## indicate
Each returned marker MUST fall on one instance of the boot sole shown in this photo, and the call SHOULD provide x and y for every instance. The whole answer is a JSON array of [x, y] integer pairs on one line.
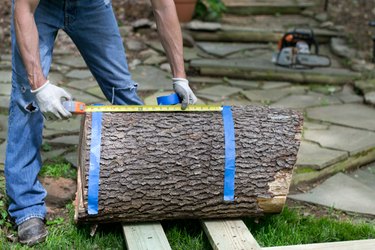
[[34, 240]]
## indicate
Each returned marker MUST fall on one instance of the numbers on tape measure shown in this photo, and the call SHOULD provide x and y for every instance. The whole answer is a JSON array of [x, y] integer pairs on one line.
[[152, 108]]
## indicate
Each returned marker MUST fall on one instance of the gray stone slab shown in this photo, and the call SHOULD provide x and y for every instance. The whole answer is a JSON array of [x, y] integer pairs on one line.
[[342, 138], [79, 74], [73, 61], [365, 86], [71, 125], [341, 192], [3, 122], [218, 92], [304, 101], [2, 152], [244, 84], [82, 84], [5, 76], [83, 96], [151, 99], [49, 155], [275, 85], [364, 176], [315, 126], [96, 91], [135, 45], [67, 140], [152, 78], [189, 53], [72, 158], [4, 102], [206, 80], [272, 95], [370, 98], [55, 77], [155, 60], [5, 88], [47, 133], [313, 156], [263, 68], [352, 115], [225, 49]]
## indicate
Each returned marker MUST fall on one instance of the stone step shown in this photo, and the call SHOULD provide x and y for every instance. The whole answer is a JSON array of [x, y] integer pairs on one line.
[[201, 31], [264, 69], [365, 175], [271, 7]]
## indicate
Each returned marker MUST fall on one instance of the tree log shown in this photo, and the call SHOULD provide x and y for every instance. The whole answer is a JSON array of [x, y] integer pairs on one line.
[[170, 165]]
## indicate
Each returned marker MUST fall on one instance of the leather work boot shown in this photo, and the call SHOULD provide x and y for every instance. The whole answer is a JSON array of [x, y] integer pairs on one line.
[[32, 231]]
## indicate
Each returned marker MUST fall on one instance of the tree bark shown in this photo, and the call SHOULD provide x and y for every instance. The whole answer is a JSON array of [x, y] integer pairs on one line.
[[157, 166]]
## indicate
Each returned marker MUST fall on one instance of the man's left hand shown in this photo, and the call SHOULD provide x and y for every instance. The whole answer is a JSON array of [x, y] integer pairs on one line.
[[183, 90]]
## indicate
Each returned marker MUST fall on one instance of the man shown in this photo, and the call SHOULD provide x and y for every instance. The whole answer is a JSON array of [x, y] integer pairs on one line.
[[92, 26]]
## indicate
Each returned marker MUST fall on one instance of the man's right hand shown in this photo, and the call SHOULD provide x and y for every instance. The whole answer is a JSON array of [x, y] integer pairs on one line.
[[48, 98]]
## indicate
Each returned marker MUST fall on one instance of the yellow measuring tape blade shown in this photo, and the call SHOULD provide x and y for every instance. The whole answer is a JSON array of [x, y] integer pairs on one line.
[[152, 108]]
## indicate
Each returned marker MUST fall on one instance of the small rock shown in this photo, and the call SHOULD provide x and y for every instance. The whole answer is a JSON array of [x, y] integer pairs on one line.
[[322, 17], [141, 23], [365, 86], [154, 26], [135, 45], [370, 98], [59, 191], [166, 67]]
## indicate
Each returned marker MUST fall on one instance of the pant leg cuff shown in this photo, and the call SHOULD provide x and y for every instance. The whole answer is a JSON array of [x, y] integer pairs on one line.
[[28, 217]]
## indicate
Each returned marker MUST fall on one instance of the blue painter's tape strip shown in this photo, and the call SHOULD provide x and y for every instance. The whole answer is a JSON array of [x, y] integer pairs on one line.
[[94, 171], [230, 154], [171, 99]]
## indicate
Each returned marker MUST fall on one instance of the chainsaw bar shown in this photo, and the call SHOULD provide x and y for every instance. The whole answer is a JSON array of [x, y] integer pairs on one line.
[[311, 60]]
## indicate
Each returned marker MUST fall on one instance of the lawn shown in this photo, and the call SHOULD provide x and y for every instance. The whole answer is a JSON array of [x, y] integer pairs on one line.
[[288, 228]]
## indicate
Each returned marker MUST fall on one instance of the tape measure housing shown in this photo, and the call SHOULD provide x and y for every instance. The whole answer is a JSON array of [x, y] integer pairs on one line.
[[152, 108]]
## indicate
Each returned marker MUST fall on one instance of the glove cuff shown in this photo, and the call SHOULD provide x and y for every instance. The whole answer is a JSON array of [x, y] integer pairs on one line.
[[40, 88], [183, 80]]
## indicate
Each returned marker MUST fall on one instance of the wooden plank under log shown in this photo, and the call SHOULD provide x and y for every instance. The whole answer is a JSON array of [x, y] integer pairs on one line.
[[229, 234], [145, 236], [170, 165], [341, 245]]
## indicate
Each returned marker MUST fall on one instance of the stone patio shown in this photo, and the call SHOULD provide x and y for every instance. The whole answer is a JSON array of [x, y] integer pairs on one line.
[[231, 64]]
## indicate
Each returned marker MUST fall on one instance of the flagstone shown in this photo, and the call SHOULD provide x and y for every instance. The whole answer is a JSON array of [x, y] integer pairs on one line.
[[82, 84], [5, 88], [315, 126], [55, 77], [71, 125], [67, 139], [72, 158], [4, 102], [82, 96], [342, 138], [73, 61], [152, 78], [341, 192], [2, 152], [96, 91], [218, 92], [244, 84], [206, 80], [5, 76], [311, 155], [275, 85], [352, 115], [224, 49], [79, 74], [365, 175], [272, 95], [304, 101], [48, 155]]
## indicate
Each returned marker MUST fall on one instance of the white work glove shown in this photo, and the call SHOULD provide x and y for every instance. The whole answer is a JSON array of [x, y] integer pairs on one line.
[[48, 98], [182, 89]]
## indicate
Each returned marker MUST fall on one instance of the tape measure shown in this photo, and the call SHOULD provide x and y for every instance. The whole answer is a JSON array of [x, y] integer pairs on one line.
[[81, 108]]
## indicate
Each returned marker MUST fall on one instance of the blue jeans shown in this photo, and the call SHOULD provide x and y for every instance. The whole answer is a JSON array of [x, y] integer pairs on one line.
[[92, 26]]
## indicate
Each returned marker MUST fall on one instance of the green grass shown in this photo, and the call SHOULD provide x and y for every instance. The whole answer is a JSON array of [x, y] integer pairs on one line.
[[291, 228], [58, 169], [288, 228]]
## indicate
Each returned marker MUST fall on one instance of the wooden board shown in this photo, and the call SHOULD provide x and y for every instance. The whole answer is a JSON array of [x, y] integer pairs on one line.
[[342, 245], [145, 236], [229, 234]]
